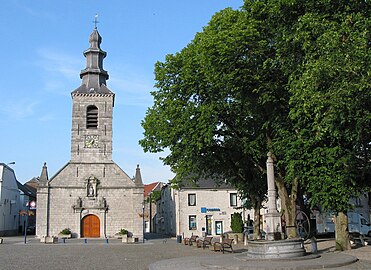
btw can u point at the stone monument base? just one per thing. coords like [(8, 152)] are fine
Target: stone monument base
[(288, 248)]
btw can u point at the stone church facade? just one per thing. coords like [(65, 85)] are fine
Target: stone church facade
[(91, 194)]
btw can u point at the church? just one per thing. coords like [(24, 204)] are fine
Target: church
[(91, 195)]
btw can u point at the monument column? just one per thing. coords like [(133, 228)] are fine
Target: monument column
[(273, 217)]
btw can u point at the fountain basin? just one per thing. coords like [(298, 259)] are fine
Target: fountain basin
[(288, 248)]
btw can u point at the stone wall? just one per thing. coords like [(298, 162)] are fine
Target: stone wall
[(117, 201)]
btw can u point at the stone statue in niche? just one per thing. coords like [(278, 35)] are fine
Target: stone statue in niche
[(91, 186), (90, 190)]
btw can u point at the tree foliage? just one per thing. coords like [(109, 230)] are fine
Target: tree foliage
[(205, 109), (331, 101), (287, 76)]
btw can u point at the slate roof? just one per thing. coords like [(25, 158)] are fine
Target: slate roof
[(205, 183), (82, 89), (27, 190)]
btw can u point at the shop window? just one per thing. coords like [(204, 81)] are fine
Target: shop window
[(192, 223)]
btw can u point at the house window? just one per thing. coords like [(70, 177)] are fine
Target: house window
[(192, 222), (91, 117), (191, 199), (233, 199)]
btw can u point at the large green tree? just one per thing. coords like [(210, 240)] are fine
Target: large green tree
[(207, 109), (330, 87), (245, 86)]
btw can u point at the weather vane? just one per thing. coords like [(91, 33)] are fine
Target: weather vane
[(95, 21)]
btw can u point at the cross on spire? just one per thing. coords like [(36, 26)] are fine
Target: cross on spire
[(95, 21)]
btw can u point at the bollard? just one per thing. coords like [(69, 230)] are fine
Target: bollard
[(64, 240), (85, 241), (106, 240), (313, 243)]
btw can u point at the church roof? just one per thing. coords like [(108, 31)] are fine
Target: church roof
[(94, 77), (101, 89)]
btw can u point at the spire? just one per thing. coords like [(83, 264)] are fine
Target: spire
[(138, 177), (44, 174), (94, 76)]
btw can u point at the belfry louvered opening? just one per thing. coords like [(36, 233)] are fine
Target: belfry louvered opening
[(91, 117)]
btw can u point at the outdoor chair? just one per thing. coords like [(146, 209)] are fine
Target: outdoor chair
[(204, 242), (225, 244), (190, 240)]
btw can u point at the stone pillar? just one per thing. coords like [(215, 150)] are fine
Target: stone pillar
[(273, 218)]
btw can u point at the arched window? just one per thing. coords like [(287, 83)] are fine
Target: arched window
[(91, 117)]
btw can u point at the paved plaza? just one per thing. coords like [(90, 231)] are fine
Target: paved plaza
[(160, 253)]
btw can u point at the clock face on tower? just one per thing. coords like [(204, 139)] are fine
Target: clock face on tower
[(91, 141)]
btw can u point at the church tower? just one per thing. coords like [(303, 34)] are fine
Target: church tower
[(91, 194), (92, 108)]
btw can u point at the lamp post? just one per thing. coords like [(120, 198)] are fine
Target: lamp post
[(143, 219), (11, 163), (26, 221)]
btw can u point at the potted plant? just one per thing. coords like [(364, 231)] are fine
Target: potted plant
[(124, 234), (65, 233)]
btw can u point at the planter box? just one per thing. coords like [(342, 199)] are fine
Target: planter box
[(49, 240), (65, 236), (124, 238)]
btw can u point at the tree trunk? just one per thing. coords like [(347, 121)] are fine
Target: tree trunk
[(341, 232), (288, 205), (257, 206)]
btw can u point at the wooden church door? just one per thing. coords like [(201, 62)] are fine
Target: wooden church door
[(90, 226)]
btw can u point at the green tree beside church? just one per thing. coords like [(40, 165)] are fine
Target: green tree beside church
[(290, 77)]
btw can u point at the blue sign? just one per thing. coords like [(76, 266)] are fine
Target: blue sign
[(214, 209)]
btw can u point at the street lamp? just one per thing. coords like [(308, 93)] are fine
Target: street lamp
[(143, 219), (10, 163)]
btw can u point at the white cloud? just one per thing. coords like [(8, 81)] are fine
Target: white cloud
[(60, 70), (19, 109)]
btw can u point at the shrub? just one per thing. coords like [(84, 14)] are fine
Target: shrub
[(123, 232), (66, 231), (237, 223)]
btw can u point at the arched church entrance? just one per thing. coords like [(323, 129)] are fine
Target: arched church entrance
[(90, 226)]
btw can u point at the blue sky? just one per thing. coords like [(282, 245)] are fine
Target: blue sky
[(41, 57)]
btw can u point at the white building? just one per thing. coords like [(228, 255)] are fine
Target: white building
[(202, 210), (9, 201)]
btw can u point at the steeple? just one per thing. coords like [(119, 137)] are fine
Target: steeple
[(94, 76), (92, 108), (44, 175), (138, 177)]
